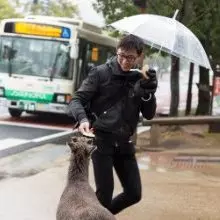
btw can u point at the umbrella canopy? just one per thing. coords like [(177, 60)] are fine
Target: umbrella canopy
[(166, 34)]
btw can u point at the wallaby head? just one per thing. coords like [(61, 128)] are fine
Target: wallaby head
[(81, 149), (81, 145)]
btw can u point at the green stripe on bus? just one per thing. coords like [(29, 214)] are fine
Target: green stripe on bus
[(26, 95)]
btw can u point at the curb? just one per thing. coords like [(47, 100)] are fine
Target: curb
[(61, 136)]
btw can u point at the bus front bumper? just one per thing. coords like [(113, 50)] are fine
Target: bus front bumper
[(31, 106)]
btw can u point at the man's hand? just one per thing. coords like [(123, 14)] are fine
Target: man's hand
[(147, 85), (150, 83), (84, 127)]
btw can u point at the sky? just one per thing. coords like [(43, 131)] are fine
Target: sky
[(86, 11)]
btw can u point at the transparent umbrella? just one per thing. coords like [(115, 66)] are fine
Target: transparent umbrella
[(166, 34)]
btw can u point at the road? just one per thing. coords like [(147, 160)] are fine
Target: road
[(31, 184), (31, 131), (32, 181), (3, 111), (28, 131)]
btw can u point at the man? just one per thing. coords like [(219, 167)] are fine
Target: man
[(116, 96)]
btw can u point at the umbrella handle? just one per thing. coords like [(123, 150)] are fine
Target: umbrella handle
[(156, 58), (144, 70)]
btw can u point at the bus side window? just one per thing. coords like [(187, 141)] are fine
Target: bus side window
[(95, 54), (91, 55)]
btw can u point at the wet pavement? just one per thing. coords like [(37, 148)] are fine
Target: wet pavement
[(38, 159), (175, 185), (32, 161)]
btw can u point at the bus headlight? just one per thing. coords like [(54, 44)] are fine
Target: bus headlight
[(2, 91), (61, 98)]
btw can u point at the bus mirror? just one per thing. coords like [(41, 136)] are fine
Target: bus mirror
[(74, 50)]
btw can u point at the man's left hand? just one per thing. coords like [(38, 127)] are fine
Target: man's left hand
[(147, 85)]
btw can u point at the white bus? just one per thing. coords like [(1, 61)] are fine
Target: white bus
[(44, 59)]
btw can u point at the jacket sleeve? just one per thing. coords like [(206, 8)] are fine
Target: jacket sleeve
[(83, 95), (148, 107)]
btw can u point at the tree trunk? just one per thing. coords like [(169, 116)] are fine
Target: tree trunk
[(174, 86), (203, 107), (189, 92), (184, 16)]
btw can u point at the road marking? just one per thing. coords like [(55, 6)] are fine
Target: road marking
[(3, 115), (11, 142), (33, 125), (18, 144), (51, 136)]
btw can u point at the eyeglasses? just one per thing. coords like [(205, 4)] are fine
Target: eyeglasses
[(129, 58)]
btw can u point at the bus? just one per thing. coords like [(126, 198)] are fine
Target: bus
[(44, 59)]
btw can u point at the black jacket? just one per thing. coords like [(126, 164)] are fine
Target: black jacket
[(103, 84)]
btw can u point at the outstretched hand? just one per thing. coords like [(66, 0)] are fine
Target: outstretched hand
[(84, 127)]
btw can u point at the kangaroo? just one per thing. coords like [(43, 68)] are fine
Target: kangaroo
[(79, 201)]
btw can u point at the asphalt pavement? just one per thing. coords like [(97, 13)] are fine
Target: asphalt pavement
[(32, 182)]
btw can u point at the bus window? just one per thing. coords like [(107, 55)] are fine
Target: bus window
[(37, 57), (90, 55), (95, 54), (61, 62), (5, 51)]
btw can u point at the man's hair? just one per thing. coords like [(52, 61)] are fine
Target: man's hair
[(130, 42)]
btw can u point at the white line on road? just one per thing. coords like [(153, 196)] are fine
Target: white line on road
[(33, 125), (11, 142), (51, 136), (3, 115)]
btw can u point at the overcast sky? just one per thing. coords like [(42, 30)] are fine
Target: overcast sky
[(86, 11)]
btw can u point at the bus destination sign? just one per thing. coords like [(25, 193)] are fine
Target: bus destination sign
[(41, 30)]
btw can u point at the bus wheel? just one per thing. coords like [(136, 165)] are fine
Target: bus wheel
[(15, 112)]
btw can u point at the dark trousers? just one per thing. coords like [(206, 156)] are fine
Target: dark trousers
[(125, 165)]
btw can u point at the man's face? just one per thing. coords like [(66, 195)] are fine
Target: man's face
[(126, 58)]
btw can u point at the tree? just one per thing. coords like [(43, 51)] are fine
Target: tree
[(141, 4), (7, 10), (62, 8), (207, 28), (114, 10)]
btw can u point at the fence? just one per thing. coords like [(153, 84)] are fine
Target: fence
[(187, 120)]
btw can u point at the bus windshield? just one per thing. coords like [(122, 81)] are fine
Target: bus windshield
[(36, 57)]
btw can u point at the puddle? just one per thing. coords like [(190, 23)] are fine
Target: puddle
[(198, 159), (166, 162)]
